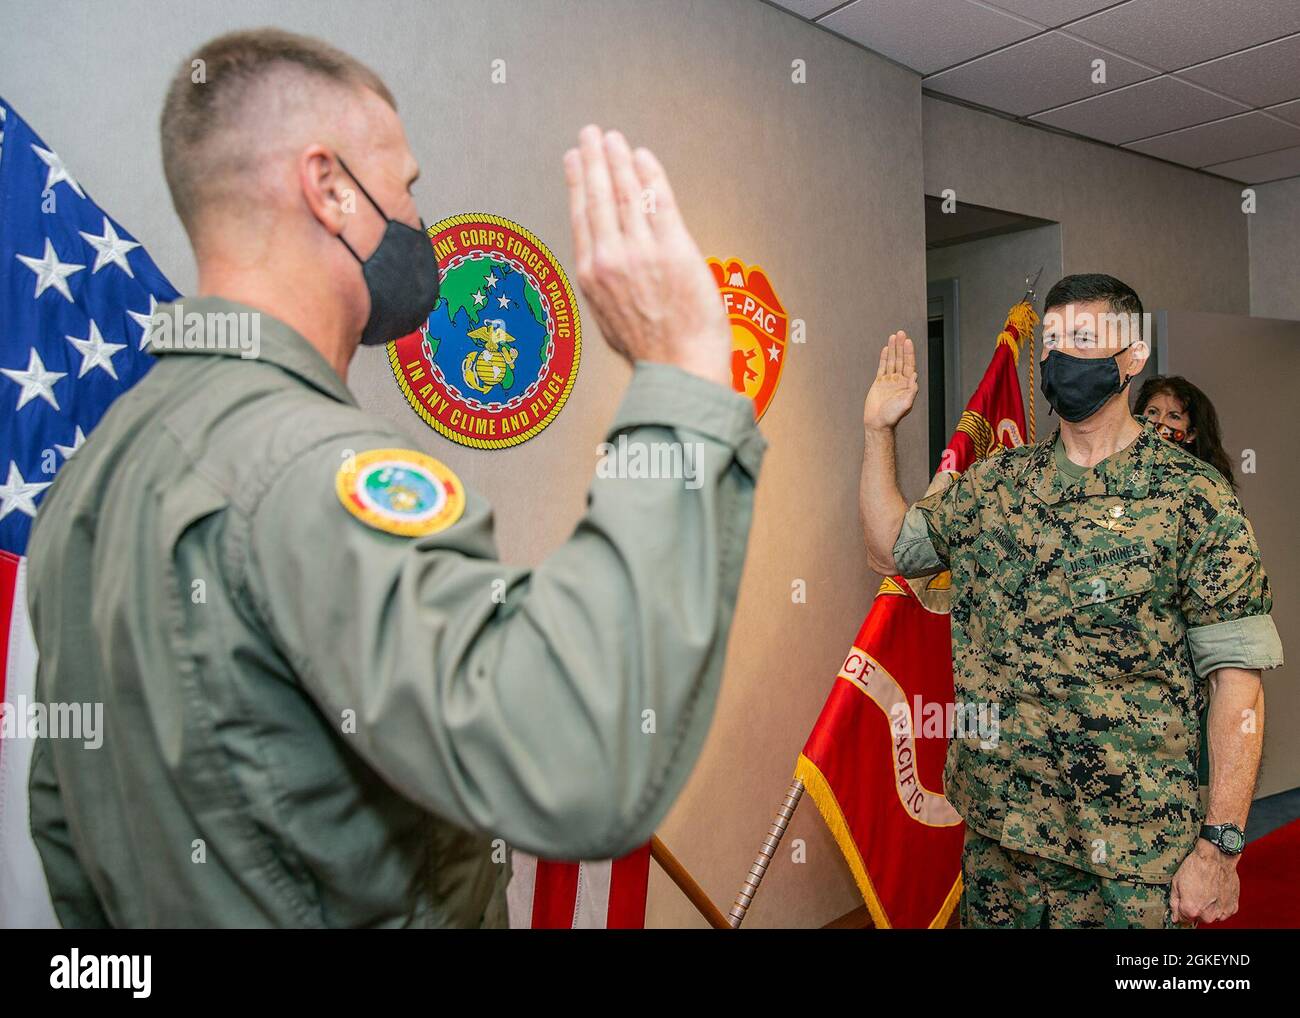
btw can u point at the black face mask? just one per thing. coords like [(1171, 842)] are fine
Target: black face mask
[(401, 275), (1076, 387)]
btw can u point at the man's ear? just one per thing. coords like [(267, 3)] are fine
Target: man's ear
[(1138, 353), (327, 190)]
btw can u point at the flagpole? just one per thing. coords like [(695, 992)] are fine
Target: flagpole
[(745, 897)]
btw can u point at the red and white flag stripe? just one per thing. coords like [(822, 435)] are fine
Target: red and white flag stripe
[(546, 895), (24, 897)]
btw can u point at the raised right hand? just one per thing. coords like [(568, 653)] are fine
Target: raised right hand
[(892, 393), (652, 294)]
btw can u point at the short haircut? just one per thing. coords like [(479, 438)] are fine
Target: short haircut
[(207, 97), (1091, 286)]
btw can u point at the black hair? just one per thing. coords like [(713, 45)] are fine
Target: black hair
[(1207, 445), (1089, 286)]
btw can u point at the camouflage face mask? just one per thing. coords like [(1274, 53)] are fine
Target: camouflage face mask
[(1173, 434)]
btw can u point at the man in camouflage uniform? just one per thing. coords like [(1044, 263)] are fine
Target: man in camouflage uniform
[(1105, 583)]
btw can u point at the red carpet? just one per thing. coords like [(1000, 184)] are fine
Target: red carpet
[(1270, 883)]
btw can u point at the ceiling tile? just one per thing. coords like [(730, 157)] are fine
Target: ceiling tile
[(927, 35), (1051, 13), (1287, 111), (1259, 76), (1258, 169), (1175, 33), (1038, 74), (1234, 138), (808, 8), (1139, 111)]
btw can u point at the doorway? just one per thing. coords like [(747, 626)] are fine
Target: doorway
[(977, 260)]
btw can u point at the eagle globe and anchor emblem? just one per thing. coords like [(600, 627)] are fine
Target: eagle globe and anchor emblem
[(497, 357), (494, 363)]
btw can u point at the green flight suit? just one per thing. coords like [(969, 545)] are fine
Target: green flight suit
[(310, 721)]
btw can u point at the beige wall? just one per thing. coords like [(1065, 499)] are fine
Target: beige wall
[(1256, 405), (1176, 236), (1275, 250)]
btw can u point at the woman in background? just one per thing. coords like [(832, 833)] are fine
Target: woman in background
[(1185, 416)]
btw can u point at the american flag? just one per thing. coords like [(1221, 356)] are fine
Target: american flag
[(76, 295), (608, 895)]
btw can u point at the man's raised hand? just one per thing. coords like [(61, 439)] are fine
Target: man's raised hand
[(894, 390)]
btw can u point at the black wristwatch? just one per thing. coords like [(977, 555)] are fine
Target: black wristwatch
[(1227, 838)]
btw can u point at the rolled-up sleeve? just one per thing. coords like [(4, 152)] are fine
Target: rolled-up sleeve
[(914, 551), (932, 523), (1225, 594), (561, 707)]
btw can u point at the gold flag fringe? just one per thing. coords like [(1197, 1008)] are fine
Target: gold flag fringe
[(819, 788), (1019, 328)]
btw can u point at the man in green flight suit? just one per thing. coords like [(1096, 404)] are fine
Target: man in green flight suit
[(1105, 584), (326, 702)]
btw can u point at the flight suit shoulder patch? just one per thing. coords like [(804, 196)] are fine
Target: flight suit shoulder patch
[(400, 491)]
